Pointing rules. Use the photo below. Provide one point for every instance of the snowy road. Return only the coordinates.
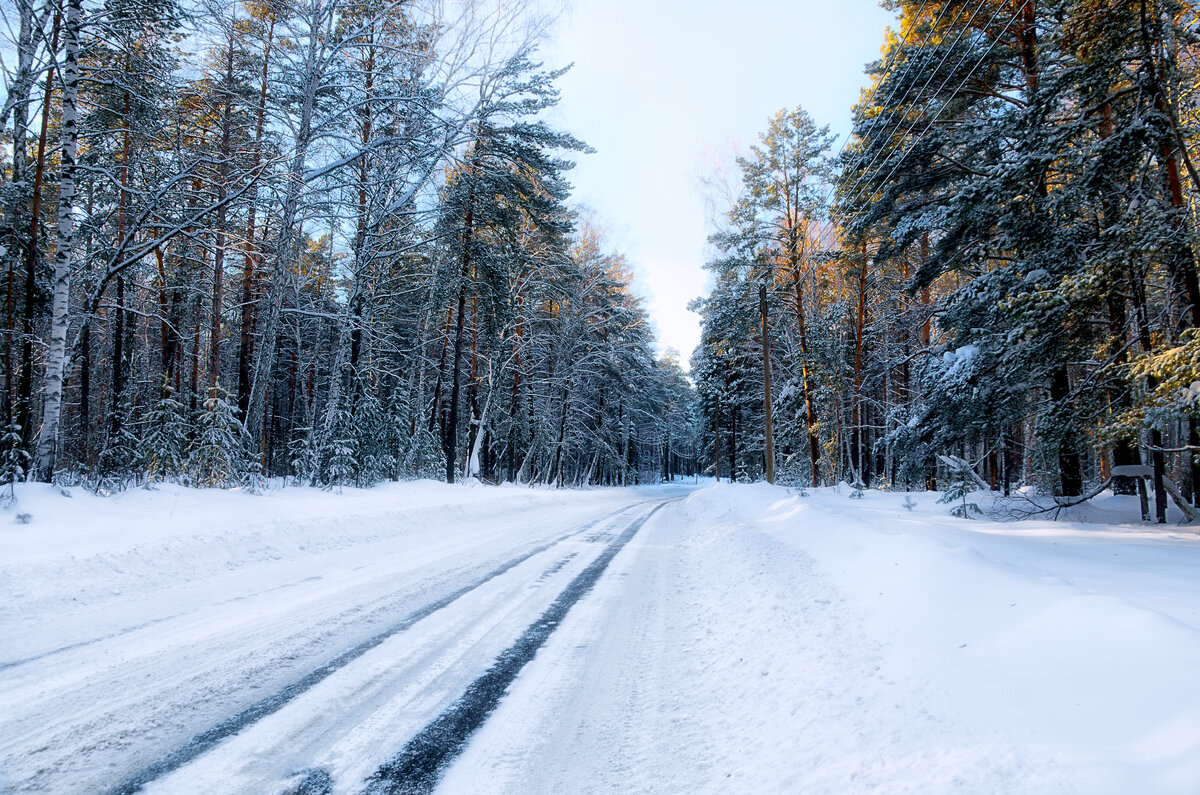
(325, 663)
(749, 640)
(728, 639)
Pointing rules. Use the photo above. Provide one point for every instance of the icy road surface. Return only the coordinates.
(729, 639)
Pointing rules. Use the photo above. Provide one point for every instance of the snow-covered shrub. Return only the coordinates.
(961, 482)
(14, 460)
(164, 444)
(218, 457)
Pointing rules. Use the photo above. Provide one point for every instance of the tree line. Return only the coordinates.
(996, 270)
(329, 240)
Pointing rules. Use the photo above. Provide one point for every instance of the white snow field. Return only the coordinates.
(662, 639)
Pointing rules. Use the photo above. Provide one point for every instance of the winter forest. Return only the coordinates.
(335, 242)
(329, 240)
(994, 281)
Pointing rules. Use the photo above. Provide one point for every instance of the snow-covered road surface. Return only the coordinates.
(730, 639)
(388, 621)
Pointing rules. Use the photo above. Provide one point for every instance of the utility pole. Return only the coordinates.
(766, 345)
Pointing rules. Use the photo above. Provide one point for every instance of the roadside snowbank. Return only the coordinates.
(79, 551)
(1072, 646)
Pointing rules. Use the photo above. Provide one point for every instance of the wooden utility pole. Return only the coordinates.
(766, 345)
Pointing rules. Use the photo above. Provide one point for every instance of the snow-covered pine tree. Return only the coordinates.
(302, 457)
(218, 455)
(961, 482)
(119, 462)
(14, 459)
(374, 440)
(164, 443)
(336, 451)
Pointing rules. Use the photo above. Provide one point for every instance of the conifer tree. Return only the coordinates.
(217, 457)
(164, 444)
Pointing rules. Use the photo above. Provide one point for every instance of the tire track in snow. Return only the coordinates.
(209, 738)
(4, 666)
(421, 762)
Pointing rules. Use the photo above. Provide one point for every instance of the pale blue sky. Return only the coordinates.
(658, 83)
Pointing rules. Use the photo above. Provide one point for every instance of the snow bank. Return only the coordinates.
(1063, 649)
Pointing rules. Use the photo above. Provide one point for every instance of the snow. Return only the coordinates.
(963, 354)
(95, 550)
(132, 623)
(746, 639)
(757, 641)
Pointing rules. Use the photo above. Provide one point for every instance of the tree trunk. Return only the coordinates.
(810, 414)
(1069, 461)
(856, 421)
(769, 452)
(214, 341)
(85, 393)
(47, 448)
(450, 438)
(118, 358)
(249, 261)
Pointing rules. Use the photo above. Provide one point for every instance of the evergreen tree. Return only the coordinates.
(164, 444)
(217, 457)
(14, 459)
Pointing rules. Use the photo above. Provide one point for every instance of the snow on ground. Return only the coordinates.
(87, 559)
(132, 623)
(747, 639)
(757, 641)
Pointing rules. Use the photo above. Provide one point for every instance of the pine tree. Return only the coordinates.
(375, 440)
(119, 462)
(962, 482)
(14, 459)
(303, 457)
(164, 444)
(337, 451)
(217, 457)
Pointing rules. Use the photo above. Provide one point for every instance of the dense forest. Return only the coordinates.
(994, 278)
(334, 241)
(329, 240)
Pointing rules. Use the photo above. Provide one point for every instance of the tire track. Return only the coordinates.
(421, 762)
(209, 738)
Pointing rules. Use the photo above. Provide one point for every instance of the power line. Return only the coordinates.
(858, 194)
(933, 73)
(908, 66)
(893, 60)
(929, 126)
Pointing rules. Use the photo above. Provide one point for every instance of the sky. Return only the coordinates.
(658, 86)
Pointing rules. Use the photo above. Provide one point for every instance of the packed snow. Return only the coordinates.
(746, 638)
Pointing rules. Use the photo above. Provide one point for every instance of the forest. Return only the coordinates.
(994, 279)
(334, 241)
(331, 241)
